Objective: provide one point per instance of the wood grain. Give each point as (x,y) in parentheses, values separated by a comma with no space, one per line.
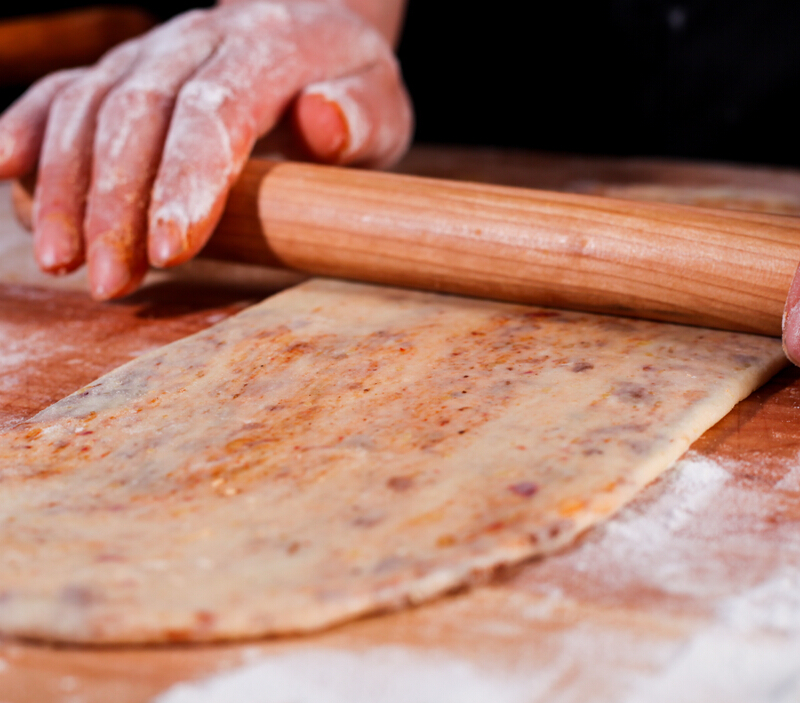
(664,262)
(54,343)
(582,173)
(659,261)
(582,625)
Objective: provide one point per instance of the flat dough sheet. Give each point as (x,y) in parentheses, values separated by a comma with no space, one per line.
(342,449)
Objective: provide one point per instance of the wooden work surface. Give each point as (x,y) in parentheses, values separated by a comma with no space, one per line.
(692,593)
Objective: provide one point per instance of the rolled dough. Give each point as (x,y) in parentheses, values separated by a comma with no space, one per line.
(337,450)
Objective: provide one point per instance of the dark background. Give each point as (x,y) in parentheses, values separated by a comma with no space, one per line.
(710,79)
(707,79)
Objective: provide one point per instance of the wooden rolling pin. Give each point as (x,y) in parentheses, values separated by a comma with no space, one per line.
(32,46)
(715,268)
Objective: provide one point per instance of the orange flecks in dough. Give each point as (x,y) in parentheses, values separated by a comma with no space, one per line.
(571,506)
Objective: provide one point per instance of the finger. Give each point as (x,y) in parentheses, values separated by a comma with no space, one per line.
(22,125)
(791,321)
(214,127)
(22,200)
(364,119)
(131,129)
(237,96)
(65,163)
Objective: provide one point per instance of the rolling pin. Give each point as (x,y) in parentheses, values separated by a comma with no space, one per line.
(35,45)
(713,268)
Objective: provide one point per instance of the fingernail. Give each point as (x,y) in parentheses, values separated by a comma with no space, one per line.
(166,244)
(323,126)
(58,244)
(109,273)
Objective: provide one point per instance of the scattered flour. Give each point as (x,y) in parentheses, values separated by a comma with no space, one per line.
(747,649)
(791,480)
(379,675)
(650,543)
(750,654)
(772,607)
(17,264)
(679,539)
(718,665)
(70,115)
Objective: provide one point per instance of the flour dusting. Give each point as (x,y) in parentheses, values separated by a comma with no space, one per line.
(791,479)
(653,542)
(382,674)
(772,606)
(719,666)
(750,654)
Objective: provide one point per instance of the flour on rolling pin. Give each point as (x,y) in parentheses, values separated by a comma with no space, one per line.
(342,449)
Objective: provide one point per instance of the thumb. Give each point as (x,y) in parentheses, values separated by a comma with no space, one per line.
(362,119)
(791,321)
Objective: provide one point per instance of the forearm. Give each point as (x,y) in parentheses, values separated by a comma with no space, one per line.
(386,15)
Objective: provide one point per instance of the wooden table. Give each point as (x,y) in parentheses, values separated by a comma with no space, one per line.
(691,593)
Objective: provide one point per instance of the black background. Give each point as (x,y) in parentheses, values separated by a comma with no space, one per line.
(702,79)
(709,79)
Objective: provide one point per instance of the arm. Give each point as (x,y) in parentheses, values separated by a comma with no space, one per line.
(385,15)
(137,153)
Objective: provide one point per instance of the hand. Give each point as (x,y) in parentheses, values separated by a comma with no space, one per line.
(791,321)
(137,153)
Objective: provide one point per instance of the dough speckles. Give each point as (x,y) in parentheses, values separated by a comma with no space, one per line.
(355,448)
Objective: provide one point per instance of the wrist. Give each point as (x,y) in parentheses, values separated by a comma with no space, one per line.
(385,15)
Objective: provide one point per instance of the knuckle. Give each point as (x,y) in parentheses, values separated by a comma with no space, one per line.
(189,19)
(184,30)
(119,57)
(205,95)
